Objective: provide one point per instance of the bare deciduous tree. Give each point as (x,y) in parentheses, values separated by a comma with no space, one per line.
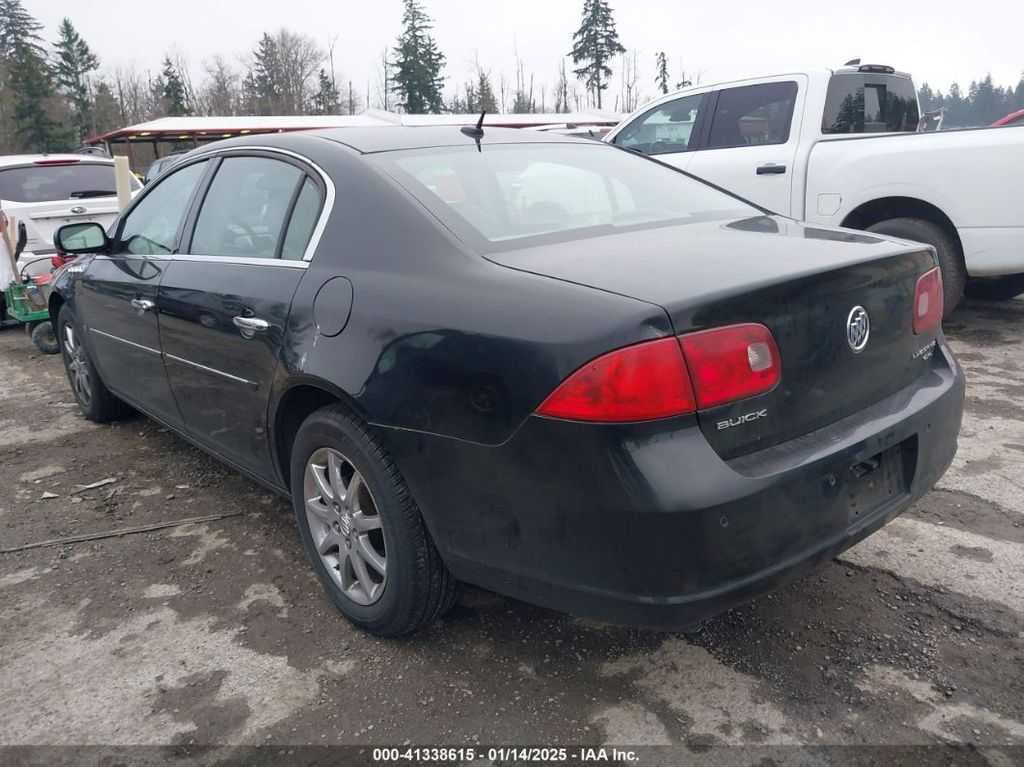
(629,79)
(220,93)
(299,58)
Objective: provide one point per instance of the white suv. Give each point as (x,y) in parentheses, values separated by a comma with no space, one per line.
(46,191)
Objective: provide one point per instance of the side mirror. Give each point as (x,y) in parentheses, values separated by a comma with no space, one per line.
(86,237)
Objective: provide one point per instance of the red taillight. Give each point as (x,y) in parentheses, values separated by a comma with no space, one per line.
(731,363)
(928,301)
(57,162)
(637,383)
(670,376)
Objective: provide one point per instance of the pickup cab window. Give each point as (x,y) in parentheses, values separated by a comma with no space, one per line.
(753,115)
(870,103)
(663,129)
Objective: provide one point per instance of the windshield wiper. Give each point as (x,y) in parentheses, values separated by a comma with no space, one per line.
(92,193)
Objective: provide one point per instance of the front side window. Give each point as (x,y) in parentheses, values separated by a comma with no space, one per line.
(151,227)
(870,103)
(514,195)
(753,115)
(664,129)
(244,211)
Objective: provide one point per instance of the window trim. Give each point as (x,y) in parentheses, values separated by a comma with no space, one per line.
(214,155)
(705,138)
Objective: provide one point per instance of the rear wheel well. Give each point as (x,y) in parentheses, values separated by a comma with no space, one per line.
(902,207)
(297,404)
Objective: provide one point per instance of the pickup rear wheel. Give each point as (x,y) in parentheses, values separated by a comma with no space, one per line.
(995,288)
(361,528)
(951,259)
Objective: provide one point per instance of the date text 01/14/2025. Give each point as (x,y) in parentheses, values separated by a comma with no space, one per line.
(538,754)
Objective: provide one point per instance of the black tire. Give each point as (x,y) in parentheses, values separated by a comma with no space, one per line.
(93,397)
(995,288)
(418,587)
(951,259)
(44,338)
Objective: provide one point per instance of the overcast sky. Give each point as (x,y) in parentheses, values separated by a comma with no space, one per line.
(938,41)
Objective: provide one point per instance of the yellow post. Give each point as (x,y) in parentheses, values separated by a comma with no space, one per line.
(123,181)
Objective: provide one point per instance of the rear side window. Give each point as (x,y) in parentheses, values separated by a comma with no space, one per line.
(870,103)
(244,211)
(664,129)
(302,223)
(753,115)
(47,183)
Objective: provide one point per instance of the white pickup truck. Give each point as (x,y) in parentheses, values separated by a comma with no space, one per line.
(842,148)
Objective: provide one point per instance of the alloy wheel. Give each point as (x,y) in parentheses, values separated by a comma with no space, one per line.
(345,525)
(78,369)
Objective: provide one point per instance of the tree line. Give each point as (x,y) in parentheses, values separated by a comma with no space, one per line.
(54,95)
(982,104)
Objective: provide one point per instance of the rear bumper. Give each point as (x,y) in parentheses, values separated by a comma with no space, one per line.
(645,524)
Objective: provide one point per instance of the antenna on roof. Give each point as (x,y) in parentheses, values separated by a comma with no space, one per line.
(852,63)
(475,131)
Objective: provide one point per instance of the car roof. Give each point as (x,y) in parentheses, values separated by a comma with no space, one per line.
(399,137)
(11,160)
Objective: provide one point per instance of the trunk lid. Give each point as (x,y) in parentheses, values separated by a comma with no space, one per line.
(801,282)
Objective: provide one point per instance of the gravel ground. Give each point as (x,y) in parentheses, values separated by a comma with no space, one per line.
(217,633)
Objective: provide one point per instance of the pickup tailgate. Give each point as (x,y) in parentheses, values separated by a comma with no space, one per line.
(799,281)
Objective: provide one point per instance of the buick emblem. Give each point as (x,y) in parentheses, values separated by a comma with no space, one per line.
(78,210)
(858,328)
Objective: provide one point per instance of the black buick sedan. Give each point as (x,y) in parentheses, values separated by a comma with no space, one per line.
(538,364)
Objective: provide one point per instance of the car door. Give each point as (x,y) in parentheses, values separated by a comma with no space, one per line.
(117,298)
(751,142)
(667,131)
(225,301)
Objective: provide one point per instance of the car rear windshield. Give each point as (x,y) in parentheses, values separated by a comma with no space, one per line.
(506,195)
(870,103)
(46,183)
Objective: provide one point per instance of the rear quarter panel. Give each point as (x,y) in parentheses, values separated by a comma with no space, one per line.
(975,177)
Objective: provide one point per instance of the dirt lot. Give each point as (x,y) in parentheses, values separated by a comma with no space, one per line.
(218,632)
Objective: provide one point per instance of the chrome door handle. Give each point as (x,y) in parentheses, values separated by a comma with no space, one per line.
(251,325)
(143,305)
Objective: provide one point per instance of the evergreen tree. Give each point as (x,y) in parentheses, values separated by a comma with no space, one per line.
(416,78)
(172,91)
(27,105)
(18,27)
(25,85)
(595,45)
(325,100)
(74,62)
(32,112)
(265,82)
(485,100)
(106,112)
(661,72)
